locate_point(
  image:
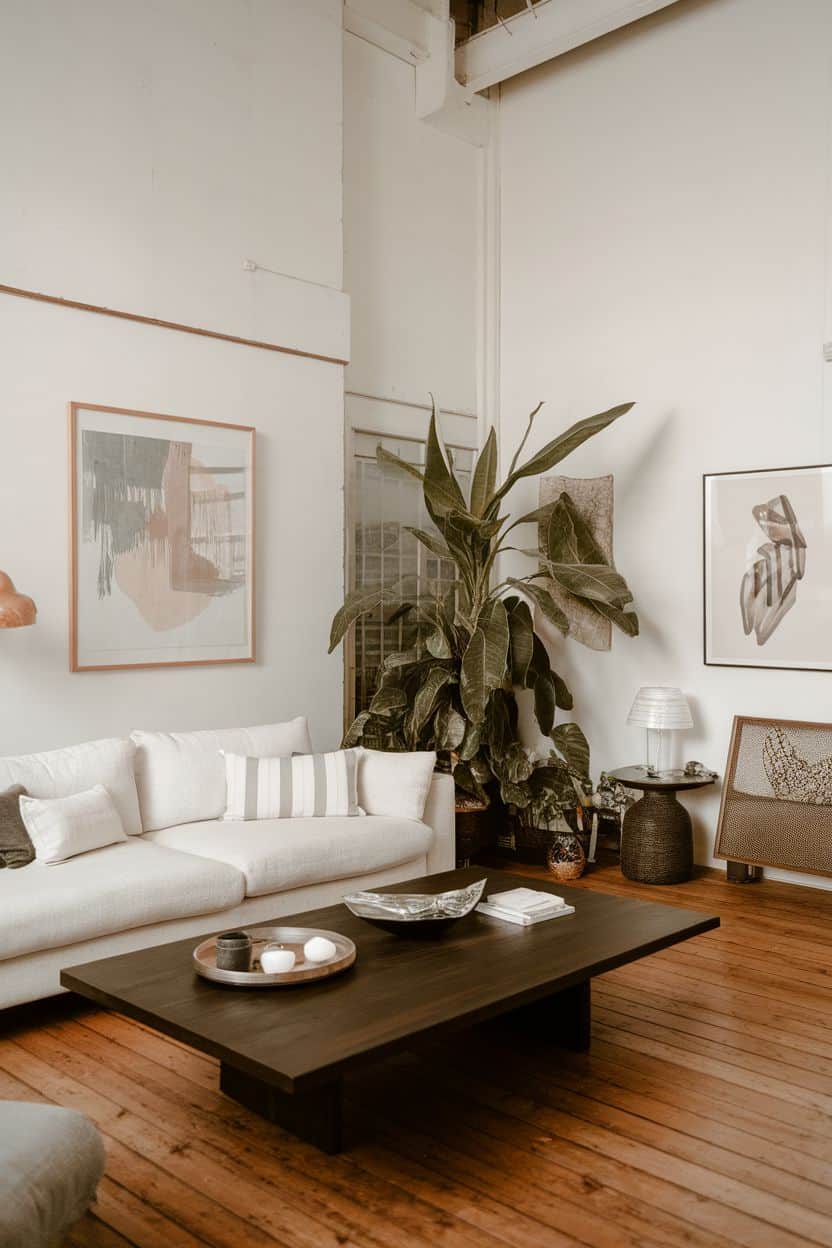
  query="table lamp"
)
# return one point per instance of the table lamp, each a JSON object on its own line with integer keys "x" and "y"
{"x": 16, "y": 610}
{"x": 660, "y": 710}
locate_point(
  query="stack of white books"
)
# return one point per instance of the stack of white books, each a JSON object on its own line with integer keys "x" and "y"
{"x": 524, "y": 906}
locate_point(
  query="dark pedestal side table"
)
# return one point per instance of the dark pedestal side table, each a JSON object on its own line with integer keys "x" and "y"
{"x": 657, "y": 837}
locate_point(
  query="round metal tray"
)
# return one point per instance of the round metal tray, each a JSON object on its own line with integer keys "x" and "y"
{"x": 294, "y": 938}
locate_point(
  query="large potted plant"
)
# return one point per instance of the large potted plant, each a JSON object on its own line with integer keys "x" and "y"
{"x": 453, "y": 688}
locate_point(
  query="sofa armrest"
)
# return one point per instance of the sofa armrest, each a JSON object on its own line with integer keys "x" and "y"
{"x": 440, "y": 815}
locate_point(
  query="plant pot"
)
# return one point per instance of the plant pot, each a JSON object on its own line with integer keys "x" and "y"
{"x": 474, "y": 828}
{"x": 566, "y": 859}
{"x": 531, "y": 844}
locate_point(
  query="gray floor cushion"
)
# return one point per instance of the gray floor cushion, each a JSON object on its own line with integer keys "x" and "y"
{"x": 50, "y": 1162}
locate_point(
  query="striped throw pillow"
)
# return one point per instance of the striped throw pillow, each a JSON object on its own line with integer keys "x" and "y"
{"x": 304, "y": 786}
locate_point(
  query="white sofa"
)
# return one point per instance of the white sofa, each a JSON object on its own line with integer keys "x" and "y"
{"x": 184, "y": 870}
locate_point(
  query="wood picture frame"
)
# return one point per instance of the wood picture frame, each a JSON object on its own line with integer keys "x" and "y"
{"x": 776, "y": 805}
{"x": 161, "y": 549}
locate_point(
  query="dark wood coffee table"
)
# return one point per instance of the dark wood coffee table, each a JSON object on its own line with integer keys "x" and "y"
{"x": 284, "y": 1052}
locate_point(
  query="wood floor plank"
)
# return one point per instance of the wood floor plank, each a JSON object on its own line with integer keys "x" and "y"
{"x": 700, "y": 1118}
{"x": 91, "y": 1232}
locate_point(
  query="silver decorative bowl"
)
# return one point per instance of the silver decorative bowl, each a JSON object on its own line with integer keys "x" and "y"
{"x": 416, "y": 914}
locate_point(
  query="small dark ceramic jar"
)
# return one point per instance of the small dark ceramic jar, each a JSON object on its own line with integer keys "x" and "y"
{"x": 234, "y": 951}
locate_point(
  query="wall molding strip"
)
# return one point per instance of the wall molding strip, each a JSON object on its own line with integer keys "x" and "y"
{"x": 422, "y": 407}
{"x": 78, "y": 306}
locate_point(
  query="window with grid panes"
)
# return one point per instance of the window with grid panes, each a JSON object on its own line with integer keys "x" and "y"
{"x": 381, "y": 502}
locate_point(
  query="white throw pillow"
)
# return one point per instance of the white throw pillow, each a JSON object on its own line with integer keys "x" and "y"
{"x": 395, "y": 784}
{"x": 305, "y": 786}
{"x": 59, "y": 773}
{"x": 181, "y": 776}
{"x": 61, "y": 827}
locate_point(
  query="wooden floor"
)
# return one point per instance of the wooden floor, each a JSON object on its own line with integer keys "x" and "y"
{"x": 702, "y": 1116}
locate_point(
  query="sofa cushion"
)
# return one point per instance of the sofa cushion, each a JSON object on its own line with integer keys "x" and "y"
{"x": 63, "y": 827}
{"x": 277, "y": 854}
{"x": 60, "y": 773}
{"x": 181, "y": 775}
{"x": 393, "y": 783}
{"x": 108, "y": 890}
{"x": 308, "y": 786}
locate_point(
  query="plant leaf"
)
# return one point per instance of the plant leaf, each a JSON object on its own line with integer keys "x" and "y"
{"x": 595, "y": 581}
{"x": 556, "y": 450}
{"x": 548, "y": 688}
{"x": 563, "y": 698}
{"x": 524, "y": 438}
{"x": 434, "y": 680}
{"x": 387, "y": 700}
{"x": 571, "y": 743}
{"x": 437, "y": 645}
{"x": 401, "y": 658}
{"x": 485, "y": 474}
{"x": 401, "y": 465}
{"x": 464, "y": 779}
{"x": 470, "y": 743}
{"x": 627, "y": 621}
{"x": 485, "y": 659}
{"x": 568, "y": 536}
{"x": 521, "y": 637}
{"x": 440, "y": 484}
{"x": 466, "y": 523}
{"x": 356, "y": 730}
{"x": 433, "y": 541}
{"x": 545, "y": 602}
{"x": 449, "y": 726}
{"x": 401, "y": 611}
{"x": 568, "y": 539}
{"x": 358, "y": 603}
{"x": 544, "y": 702}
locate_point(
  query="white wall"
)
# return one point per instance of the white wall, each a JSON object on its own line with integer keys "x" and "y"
{"x": 148, "y": 148}
{"x": 145, "y": 150}
{"x": 411, "y": 199}
{"x": 665, "y": 224}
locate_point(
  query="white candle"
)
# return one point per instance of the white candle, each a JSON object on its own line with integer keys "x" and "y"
{"x": 319, "y": 949}
{"x": 277, "y": 961}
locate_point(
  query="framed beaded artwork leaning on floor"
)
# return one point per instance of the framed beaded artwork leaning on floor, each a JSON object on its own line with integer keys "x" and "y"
{"x": 776, "y": 808}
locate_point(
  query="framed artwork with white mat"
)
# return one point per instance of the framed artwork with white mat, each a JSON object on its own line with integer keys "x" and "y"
{"x": 161, "y": 539}
{"x": 768, "y": 568}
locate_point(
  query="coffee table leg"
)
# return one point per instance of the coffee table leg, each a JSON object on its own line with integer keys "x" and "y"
{"x": 570, "y": 1013}
{"x": 564, "y": 1018}
{"x": 314, "y": 1115}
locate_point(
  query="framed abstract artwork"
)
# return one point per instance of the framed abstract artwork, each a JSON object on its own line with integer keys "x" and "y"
{"x": 768, "y": 568}
{"x": 776, "y": 808}
{"x": 161, "y": 540}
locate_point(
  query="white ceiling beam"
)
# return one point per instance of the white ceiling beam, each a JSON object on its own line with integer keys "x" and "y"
{"x": 539, "y": 34}
{"x": 400, "y": 27}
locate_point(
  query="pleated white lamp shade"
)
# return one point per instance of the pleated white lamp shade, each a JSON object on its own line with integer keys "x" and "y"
{"x": 660, "y": 706}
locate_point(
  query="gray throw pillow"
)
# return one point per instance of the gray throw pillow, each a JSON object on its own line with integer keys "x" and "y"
{"x": 16, "y": 849}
